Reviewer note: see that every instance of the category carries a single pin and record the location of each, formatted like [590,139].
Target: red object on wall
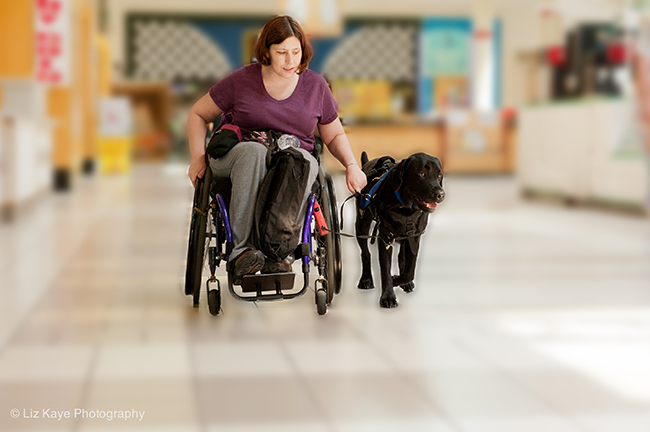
[482,34]
[52,50]
[616,53]
[556,55]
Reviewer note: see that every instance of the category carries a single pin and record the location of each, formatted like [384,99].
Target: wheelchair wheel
[332,241]
[198,240]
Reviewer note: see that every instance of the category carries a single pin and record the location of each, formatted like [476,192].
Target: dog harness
[366,198]
[388,237]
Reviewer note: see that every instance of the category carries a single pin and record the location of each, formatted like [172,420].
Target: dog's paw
[366,284]
[388,301]
[408,287]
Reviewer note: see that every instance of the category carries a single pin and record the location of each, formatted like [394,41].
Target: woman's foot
[275,267]
[248,262]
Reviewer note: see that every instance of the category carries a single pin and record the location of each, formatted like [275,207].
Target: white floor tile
[338,357]
[415,425]
[297,426]
[148,361]
[518,424]
[526,317]
[246,359]
[45,363]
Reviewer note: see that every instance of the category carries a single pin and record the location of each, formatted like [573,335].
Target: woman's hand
[355,178]
[197,169]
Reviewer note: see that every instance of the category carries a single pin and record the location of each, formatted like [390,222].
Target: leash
[374,235]
[364,202]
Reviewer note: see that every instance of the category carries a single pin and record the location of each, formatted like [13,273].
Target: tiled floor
[526,317]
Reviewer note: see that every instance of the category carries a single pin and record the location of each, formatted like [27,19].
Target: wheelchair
[210,244]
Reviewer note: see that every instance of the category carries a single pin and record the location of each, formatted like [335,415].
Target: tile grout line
[464,345]
[301,378]
[443,413]
[203,424]
[85,390]
[56,274]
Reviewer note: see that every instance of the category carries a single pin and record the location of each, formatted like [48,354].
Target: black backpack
[277,218]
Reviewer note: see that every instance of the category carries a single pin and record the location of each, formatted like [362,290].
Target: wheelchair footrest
[277,282]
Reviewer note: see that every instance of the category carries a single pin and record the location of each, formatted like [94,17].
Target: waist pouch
[222,140]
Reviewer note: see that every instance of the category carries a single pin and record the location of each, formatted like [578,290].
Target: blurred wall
[520,34]
[118,9]
[16,41]
[520,19]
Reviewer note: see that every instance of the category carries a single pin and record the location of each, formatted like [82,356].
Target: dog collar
[399,198]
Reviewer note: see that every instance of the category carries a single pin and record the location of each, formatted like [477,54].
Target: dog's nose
[440,196]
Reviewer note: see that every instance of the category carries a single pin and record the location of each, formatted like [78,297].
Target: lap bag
[222,140]
[277,210]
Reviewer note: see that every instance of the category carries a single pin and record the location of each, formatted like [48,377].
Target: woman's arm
[337,142]
[203,112]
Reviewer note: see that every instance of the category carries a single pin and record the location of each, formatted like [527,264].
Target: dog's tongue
[432,206]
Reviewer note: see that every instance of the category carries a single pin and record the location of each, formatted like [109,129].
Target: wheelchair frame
[209,210]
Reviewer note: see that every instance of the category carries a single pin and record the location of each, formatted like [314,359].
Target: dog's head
[418,179]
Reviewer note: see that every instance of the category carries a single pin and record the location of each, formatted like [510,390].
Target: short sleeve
[222,93]
[330,109]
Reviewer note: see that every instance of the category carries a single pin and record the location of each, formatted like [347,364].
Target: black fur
[418,181]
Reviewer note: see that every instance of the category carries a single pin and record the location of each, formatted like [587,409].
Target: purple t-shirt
[253,109]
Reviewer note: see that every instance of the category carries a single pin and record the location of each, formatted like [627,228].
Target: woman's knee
[250,158]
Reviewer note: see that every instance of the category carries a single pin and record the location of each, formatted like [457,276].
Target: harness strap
[399,198]
[375,234]
[411,233]
[365,199]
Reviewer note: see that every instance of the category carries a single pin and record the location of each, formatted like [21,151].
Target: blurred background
[530,87]
[532,306]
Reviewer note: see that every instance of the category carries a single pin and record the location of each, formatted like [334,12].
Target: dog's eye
[423,174]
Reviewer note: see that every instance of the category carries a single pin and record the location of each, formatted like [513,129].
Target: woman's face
[285,57]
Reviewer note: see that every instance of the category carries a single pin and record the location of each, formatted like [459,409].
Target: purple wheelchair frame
[306,251]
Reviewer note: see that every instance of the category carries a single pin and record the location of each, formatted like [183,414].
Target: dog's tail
[364,158]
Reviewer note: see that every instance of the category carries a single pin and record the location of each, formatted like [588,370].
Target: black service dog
[399,197]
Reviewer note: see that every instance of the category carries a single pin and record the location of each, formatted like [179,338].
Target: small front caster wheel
[214,301]
[321,301]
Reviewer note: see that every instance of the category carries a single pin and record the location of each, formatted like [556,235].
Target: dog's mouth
[428,207]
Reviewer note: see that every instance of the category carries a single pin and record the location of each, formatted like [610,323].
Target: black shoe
[248,262]
[275,267]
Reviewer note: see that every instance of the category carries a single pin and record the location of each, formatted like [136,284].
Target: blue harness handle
[365,199]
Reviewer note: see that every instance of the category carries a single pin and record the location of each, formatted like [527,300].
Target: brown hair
[276,31]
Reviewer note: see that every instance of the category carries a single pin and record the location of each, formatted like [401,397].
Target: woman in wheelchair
[278,93]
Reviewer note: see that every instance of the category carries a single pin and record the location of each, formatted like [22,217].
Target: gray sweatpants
[245,164]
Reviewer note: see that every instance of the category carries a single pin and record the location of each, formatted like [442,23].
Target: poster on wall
[322,18]
[446,47]
[53,27]
[445,65]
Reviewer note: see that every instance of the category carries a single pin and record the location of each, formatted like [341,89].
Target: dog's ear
[439,165]
[397,176]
